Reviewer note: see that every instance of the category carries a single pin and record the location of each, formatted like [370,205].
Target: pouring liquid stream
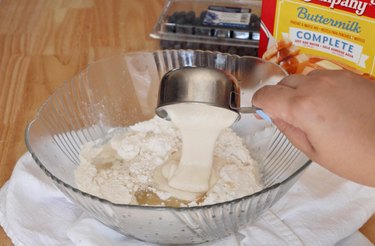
[188,178]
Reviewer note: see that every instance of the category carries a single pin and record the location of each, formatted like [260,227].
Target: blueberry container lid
[232,23]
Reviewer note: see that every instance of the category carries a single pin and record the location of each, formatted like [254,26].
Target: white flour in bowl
[121,167]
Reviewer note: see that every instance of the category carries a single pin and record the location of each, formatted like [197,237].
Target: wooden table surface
[45,42]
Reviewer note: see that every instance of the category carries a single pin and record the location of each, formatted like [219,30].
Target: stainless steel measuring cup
[211,86]
[198,85]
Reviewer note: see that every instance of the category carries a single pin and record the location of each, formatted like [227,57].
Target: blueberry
[184,29]
[180,19]
[249,51]
[166,44]
[223,48]
[203,14]
[190,17]
[205,46]
[203,31]
[197,21]
[232,50]
[172,19]
[254,22]
[177,45]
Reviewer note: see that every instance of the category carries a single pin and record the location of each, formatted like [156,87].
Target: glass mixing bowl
[121,91]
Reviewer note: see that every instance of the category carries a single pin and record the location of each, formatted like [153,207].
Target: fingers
[324,72]
[319,75]
[274,100]
[297,137]
[278,100]
[292,81]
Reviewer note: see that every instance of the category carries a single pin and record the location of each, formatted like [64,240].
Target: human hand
[328,115]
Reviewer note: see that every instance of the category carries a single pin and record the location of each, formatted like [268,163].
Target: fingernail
[263,115]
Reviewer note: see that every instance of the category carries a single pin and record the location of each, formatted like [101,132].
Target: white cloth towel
[320,209]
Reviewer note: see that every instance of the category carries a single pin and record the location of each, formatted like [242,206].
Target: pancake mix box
[319,34]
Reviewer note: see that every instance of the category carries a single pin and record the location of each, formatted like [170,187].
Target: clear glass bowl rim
[150,207]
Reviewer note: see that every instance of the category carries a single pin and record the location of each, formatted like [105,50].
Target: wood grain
[44,42]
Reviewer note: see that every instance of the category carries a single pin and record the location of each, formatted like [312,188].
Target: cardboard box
[217,25]
[341,33]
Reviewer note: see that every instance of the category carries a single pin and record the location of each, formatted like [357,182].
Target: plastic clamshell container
[225,26]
